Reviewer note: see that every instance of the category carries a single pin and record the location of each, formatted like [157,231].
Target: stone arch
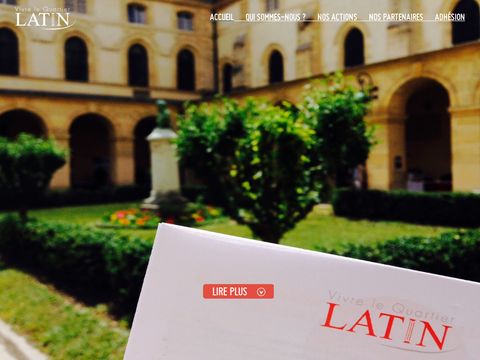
[186,69]
[276,67]
[151,49]
[139,64]
[393,98]
[21,43]
[91,151]
[339,41]
[224,61]
[175,50]
[85,109]
[142,129]
[446,27]
[421,144]
[76,60]
[89,41]
[469,30]
[16,121]
[266,60]
[354,48]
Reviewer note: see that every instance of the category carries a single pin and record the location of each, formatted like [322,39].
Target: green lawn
[56,324]
[318,228]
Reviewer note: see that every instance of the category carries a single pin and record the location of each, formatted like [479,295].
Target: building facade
[91,86]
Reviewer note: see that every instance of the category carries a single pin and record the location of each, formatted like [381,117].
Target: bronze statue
[163,115]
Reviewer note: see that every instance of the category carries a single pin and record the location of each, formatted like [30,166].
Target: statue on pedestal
[165,193]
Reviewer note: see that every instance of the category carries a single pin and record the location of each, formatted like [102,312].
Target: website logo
[45,18]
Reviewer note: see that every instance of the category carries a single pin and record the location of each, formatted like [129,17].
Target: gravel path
[15,347]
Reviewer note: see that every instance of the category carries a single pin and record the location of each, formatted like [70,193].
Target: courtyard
[342,135]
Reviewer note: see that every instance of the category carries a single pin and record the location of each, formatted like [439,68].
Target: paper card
[214,297]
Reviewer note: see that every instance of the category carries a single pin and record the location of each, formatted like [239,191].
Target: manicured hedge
[69,197]
[86,260]
[73,197]
[448,209]
[455,254]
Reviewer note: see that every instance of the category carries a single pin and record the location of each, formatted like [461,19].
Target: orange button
[238,291]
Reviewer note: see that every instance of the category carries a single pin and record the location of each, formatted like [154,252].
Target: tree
[336,111]
[26,168]
[269,165]
[258,158]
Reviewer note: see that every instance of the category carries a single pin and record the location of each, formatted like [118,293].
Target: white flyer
[208,296]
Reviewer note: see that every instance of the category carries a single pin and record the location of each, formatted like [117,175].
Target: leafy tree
[258,158]
[26,168]
[336,111]
[270,165]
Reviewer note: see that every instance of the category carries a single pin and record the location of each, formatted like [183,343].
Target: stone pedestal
[165,174]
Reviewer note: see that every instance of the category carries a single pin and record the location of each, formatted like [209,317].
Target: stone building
[91,86]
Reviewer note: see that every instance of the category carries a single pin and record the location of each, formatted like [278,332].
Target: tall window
[186,70]
[275,67]
[227,78]
[137,14]
[271,5]
[8,2]
[76,59]
[185,21]
[78,6]
[137,66]
[9,57]
[354,48]
[470,29]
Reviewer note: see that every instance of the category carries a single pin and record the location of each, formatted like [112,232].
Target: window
[272,5]
[354,49]
[78,6]
[8,2]
[186,70]
[137,14]
[76,60]
[227,78]
[137,66]
[185,21]
[9,56]
[275,67]
[470,29]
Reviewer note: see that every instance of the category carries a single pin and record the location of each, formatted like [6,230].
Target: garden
[71,272]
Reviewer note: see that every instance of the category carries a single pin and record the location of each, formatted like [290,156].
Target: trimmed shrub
[448,209]
[269,165]
[82,259]
[454,254]
[26,168]
[259,158]
[71,197]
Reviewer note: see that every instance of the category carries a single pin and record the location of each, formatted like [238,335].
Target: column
[123,167]
[61,178]
[386,163]
[465,126]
